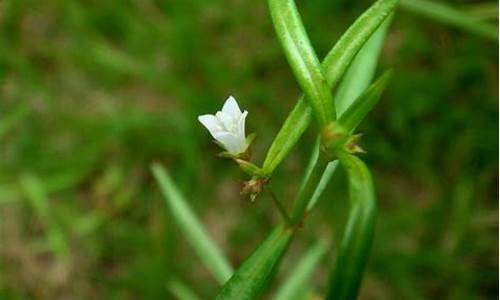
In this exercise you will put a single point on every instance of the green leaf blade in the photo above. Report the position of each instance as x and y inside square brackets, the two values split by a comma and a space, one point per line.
[181, 291]
[325, 179]
[295, 124]
[336, 63]
[448, 15]
[302, 58]
[353, 83]
[358, 234]
[361, 72]
[301, 274]
[338, 60]
[257, 270]
[196, 235]
[364, 103]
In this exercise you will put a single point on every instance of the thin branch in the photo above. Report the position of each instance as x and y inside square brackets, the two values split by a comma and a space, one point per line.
[281, 208]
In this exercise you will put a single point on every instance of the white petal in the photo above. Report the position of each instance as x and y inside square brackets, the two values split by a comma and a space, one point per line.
[231, 142]
[211, 123]
[231, 107]
[241, 125]
[228, 122]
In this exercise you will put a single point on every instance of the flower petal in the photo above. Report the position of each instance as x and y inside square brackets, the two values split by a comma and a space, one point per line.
[231, 107]
[241, 125]
[231, 142]
[211, 123]
[227, 121]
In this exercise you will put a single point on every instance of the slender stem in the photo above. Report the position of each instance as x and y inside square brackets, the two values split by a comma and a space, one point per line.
[280, 206]
[307, 190]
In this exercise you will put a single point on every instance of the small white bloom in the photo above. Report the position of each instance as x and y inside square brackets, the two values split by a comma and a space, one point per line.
[228, 126]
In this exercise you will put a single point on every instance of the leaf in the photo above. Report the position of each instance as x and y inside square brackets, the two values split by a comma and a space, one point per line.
[193, 230]
[310, 164]
[295, 124]
[334, 67]
[257, 270]
[358, 233]
[300, 276]
[355, 81]
[364, 103]
[360, 73]
[448, 15]
[181, 291]
[302, 58]
[338, 60]
[483, 11]
[325, 179]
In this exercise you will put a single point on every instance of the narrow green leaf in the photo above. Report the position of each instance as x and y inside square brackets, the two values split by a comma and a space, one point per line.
[338, 60]
[334, 66]
[193, 230]
[35, 193]
[358, 234]
[364, 104]
[355, 81]
[483, 11]
[257, 270]
[310, 164]
[300, 276]
[360, 73]
[295, 124]
[448, 15]
[181, 291]
[302, 58]
[325, 179]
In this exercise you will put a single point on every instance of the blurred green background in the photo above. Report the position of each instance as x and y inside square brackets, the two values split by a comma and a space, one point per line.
[92, 92]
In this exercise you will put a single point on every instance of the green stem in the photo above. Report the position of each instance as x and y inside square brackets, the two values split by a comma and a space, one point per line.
[307, 190]
[280, 206]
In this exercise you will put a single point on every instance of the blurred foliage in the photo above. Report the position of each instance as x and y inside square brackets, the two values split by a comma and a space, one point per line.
[92, 92]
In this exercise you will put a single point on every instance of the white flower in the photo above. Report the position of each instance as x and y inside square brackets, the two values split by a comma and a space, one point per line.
[228, 126]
